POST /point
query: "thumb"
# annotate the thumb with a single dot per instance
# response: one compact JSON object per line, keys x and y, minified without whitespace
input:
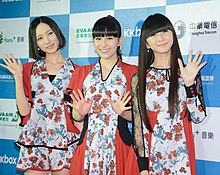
{"x":180,"y":64}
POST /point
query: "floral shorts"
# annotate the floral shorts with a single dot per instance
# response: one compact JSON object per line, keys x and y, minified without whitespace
{"x":44,"y":159}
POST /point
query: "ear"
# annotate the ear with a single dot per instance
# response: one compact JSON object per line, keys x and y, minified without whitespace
{"x":120,"y":41}
{"x":147,"y":45}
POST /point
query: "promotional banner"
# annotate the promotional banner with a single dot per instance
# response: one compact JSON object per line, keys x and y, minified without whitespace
{"x":196,"y":23}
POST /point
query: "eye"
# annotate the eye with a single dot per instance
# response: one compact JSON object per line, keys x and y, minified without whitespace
{"x":110,"y":37}
{"x":39,"y":38}
{"x":50,"y":33}
{"x":97,"y":38}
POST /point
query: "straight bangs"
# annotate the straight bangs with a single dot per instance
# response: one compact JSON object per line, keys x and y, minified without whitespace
{"x":157,"y":23}
{"x":101,"y":32}
{"x":106,"y":27}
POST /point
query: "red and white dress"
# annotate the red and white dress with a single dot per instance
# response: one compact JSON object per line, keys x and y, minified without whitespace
{"x":45,"y":144}
{"x":105,"y":145}
{"x":169,"y":149}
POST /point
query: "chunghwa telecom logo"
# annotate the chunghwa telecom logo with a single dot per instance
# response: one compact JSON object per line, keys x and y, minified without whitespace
{"x":1,"y":37}
{"x":180,"y":28}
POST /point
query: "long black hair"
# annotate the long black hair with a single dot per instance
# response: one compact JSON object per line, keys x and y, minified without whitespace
{"x":34,"y":51}
{"x":107,"y":26}
{"x":153,"y":24}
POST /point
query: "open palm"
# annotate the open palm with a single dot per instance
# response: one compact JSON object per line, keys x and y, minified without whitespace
{"x":120,"y":105}
{"x":80,"y":104}
{"x":12,"y":65}
{"x":192,"y":68}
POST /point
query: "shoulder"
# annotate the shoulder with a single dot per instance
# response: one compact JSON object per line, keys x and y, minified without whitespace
{"x":27,"y":67}
{"x":85,"y":68}
{"x":127,"y":68}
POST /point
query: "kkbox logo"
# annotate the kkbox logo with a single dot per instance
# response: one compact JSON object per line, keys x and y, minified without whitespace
{"x":8,"y":160}
{"x":136,"y":32}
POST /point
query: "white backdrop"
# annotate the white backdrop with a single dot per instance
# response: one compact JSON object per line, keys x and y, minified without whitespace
{"x":196,"y":23}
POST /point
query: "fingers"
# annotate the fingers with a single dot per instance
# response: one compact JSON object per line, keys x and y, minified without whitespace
{"x":9,"y":59}
{"x":77,"y":96}
{"x":180,"y":63}
{"x":198,"y":57}
{"x":190,"y":56}
{"x":12,"y":58}
{"x":202,"y":65}
{"x":127,"y":100}
{"x":19,"y":61}
{"x":80,"y":94}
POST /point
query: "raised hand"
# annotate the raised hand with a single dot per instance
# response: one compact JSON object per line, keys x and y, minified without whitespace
{"x":80,"y":105}
{"x":192,"y":68}
{"x":120,"y":105}
{"x":10,"y":63}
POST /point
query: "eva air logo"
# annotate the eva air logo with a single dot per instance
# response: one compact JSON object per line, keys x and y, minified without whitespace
{"x":1,"y":37}
{"x":84,"y":33}
{"x":15,"y":117}
{"x":9,"y":117}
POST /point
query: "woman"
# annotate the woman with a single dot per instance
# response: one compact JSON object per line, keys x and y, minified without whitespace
{"x":46,"y":146}
{"x":167,"y":96}
{"x":100,"y":98}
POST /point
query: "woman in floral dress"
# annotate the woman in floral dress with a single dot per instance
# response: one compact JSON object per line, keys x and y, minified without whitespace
{"x":45,"y":144}
{"x":100,"y":97}
{"x":167,"y":96}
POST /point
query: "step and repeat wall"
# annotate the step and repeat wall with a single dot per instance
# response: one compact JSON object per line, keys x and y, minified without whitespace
{"x":197,"y":26}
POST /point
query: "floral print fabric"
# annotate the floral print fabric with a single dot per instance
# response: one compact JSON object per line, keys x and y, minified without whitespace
{"x":45,"y":133}
{"x":168,"y":150}
{"x":100,"y":155}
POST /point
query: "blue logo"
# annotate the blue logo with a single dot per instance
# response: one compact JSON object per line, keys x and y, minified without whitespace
{"x":131,"y":21}
{"x":8,"y":157}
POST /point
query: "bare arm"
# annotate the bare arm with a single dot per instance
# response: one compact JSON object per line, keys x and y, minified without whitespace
{"x":16,"y":69}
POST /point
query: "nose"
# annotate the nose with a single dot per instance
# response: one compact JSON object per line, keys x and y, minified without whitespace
{"x":103,"y":42}
{"x":160,"y":36}
{"x":46,"y":39}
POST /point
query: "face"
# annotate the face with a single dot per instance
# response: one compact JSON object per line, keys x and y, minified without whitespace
{"x":47,"y":40}
{"x":160,"y":42}
{"x":106,"y":46}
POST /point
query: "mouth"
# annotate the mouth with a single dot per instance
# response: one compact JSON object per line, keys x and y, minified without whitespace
{"x":104,"y":50}
{"x":162,"y":44}
{"x":50,"y":46}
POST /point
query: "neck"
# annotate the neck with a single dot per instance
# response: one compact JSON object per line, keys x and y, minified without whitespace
{"x":108,"y":63}
{"x":161,"y":61}
{"x":54,"y":58}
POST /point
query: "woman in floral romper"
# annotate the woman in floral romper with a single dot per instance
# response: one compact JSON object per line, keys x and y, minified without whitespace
{"x":167,"y":96}
{"x":46,"y":146}
{"x":100,"y":97}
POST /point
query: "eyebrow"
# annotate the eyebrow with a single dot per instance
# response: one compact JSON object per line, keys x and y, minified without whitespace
{"x":46,"y":32}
